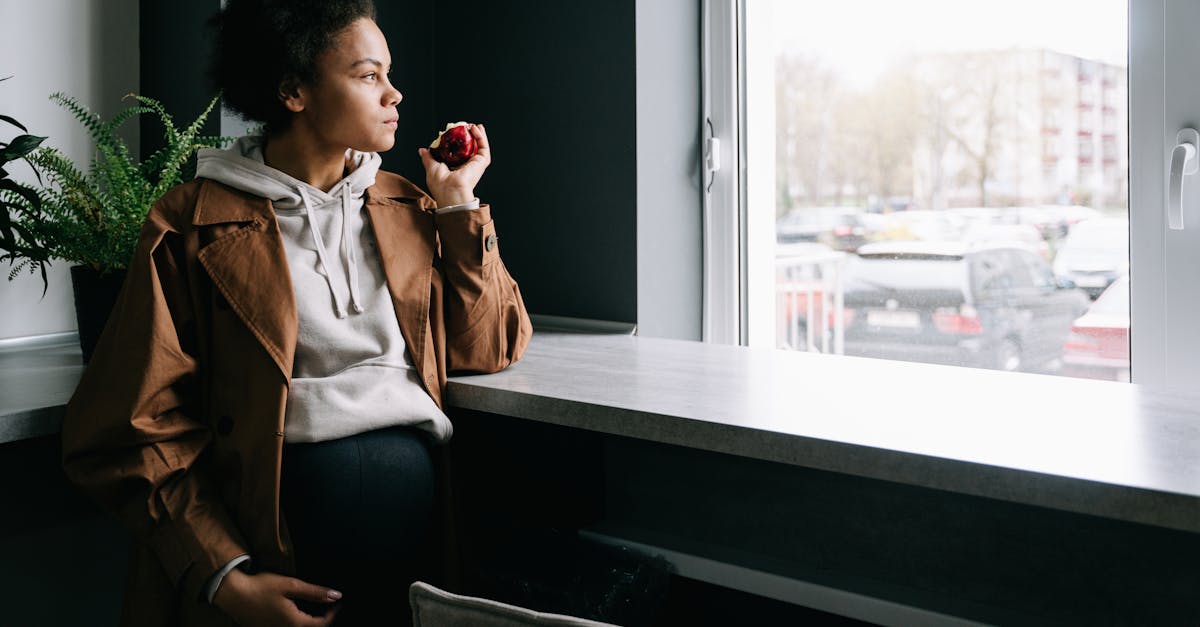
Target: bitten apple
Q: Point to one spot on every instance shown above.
(453, 146)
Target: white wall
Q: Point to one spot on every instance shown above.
(669, 258)
(85, 48)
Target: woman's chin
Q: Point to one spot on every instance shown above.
(385, 146)
(382, 144)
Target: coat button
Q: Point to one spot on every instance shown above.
(225, 425)
(490, 242)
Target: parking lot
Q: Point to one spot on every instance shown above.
(1031, 289)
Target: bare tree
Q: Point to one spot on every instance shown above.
(805, 92)
(889, 125)
(968, 88)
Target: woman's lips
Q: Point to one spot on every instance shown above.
(392, 123)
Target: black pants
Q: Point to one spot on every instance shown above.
(358, 509)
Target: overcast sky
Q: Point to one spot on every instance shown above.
(861, 37)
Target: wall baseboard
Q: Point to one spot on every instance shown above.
(27, 342)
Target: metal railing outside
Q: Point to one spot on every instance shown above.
(809, 292)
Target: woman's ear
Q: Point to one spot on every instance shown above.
(290, 95)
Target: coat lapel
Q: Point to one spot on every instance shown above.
(249, 266)
(404, 233)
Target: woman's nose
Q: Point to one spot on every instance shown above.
(394, 97)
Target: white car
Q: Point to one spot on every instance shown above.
(1095, 253)
(1024, 235)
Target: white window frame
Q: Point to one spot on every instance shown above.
(1165, 299)
(721, 133)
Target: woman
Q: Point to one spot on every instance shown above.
(260, 409)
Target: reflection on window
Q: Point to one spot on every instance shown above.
(951, 182)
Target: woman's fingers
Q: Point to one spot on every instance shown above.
(445, 182)
(271, 599)
(311, 592)
(431, 165)
(297, 589)
(481, 138)
(483, 148)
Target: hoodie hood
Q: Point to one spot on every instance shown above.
(241, 166)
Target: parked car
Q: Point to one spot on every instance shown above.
(1022, 235)
(923, 224)
(983, 305)
(849, 231)
(841, 228)
(1098, 346)
(971, 217)
(1057, 220)
(1094, 254)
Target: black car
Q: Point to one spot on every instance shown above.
(984, 306)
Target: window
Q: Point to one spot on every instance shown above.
(924, 122)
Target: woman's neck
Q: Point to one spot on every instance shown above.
(303, 158)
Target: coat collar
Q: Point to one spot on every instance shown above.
(219, 203)
(249, 265)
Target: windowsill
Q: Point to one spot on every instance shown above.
(1107, 449)
(1113, 450)
(37, 378)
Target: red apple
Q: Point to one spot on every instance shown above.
(453, 146)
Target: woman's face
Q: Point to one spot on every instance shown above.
(353, 104)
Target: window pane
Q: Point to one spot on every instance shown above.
(954, 175)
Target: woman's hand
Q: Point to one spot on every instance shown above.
(268, 599)
(457, 186)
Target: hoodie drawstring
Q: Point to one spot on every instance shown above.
(348, 248)
(243, 167)
(320, 244)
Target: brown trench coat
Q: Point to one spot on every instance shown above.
(177, 424)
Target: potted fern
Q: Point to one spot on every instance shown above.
(92, 219)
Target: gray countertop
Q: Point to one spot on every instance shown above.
(35, 385)
(1108, 449)
(1104, 448)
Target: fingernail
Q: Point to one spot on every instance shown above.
(334, 595)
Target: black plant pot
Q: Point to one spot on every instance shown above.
(95, 295)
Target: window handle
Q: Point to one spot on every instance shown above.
(1183, 163)
(712, 155)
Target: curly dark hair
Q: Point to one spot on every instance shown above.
(263, 44)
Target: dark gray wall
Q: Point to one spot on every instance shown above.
(173, 55)
(554, 83)
(407, 28)
(982, 559)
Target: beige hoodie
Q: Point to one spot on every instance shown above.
(351, 372)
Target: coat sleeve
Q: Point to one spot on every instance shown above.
(132, 439)
(487, 327)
